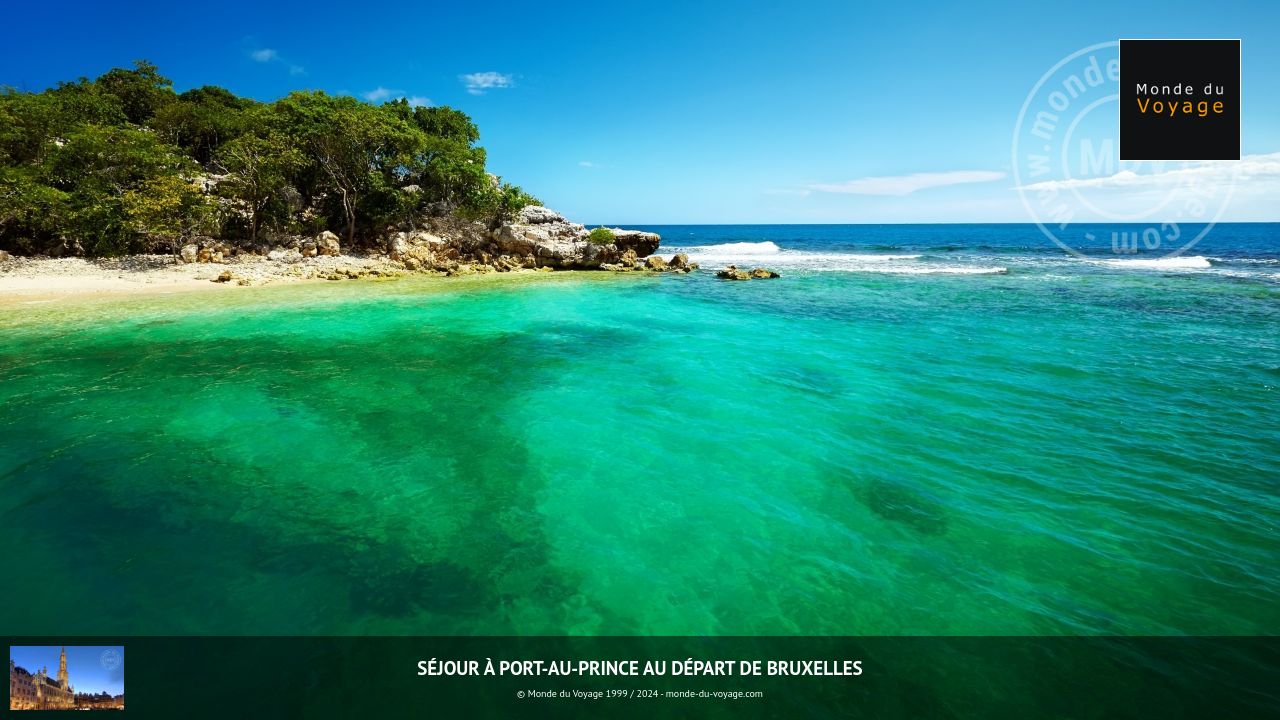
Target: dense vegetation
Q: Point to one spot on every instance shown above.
(123, 164)
(602, 236)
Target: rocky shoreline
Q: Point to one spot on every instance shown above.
(536, 240)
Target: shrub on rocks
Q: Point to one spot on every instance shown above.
(602, 236)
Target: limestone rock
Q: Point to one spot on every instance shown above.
(403, 245)
(398, 246)
(643, 243)
(679, 261)
(655, 262)
(558, 244)
(327, 244)
(282, 240)
(733, 273)
(189, 253)
(550, 240)
(421, 250)
(308, 248)
(224, 276)
(538, 215)
(506, 263)
(65, 248)
(289, 255)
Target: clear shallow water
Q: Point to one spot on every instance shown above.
(1066, 447)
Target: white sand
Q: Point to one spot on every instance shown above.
(49, 279)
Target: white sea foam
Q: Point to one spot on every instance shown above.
(1195, 262)
(953, 270)
(755, 249)
(1246, 261)
(1248, 274)
(738, 248)
(751, 254)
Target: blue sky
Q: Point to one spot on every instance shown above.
(669, 112)
(85, 668)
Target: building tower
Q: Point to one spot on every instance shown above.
(62, 671)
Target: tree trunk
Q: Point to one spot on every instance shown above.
(349, 204)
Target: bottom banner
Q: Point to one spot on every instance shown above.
(393, 677)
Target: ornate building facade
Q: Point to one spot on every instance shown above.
(39, 691)
(100, 701)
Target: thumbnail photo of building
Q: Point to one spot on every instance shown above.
(38, 690)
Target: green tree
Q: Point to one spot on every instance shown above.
(24, 127)
(142, 91)
(498, 203)
(84, 101)
(354, 146)
(31, 212)
(112, 164)
(97, 167)
(166, 209)
(446, 166)
(200, 121)
(32, 123)
(445, 122)
(259, 167)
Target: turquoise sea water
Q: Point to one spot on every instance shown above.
(893, 438)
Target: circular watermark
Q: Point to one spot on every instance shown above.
(1069, 176)
(110, 659)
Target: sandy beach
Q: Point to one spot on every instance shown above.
(27, 280)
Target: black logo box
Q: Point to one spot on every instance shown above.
(1180, 65)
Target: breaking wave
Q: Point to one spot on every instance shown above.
(771, 255)
(1195, 262)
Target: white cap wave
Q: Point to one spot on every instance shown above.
(1194, 262)
(768, 254)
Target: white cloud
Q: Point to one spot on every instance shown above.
(907, 184)
(380, 93)
(1240, 190)
(1246, 170)
(270, 55)
(586, 163)
(478, 83)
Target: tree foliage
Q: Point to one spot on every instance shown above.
(602, 236)
(142, 91)
(259, 166)
(202, 120)
(123, 164)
